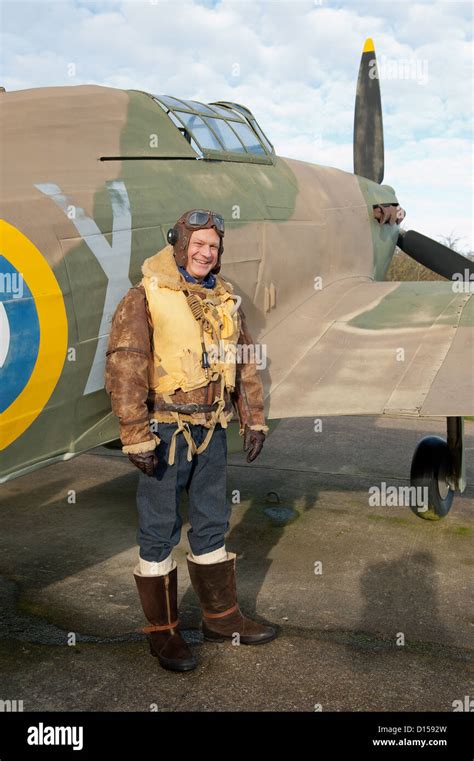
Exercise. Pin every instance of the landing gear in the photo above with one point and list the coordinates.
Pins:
(437, 472)
(430, 467)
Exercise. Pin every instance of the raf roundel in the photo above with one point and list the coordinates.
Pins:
(33, 333)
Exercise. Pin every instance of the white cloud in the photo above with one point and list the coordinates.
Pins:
(298, 72)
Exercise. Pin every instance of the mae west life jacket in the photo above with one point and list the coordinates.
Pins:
(179, 339)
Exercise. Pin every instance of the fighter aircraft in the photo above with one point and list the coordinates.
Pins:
(92, 179)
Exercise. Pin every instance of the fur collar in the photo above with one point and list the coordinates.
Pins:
(162, 266)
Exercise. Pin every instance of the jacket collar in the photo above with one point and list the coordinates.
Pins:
(162, 266)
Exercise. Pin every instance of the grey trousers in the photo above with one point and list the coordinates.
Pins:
(204, 479)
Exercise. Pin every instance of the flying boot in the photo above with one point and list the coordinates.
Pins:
(215, 585)
(159, 595)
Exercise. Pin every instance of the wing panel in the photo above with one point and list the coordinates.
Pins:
(365, 347)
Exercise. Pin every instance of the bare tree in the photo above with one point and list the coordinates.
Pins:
(453, 241)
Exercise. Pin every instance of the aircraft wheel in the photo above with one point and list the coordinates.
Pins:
(430, 466)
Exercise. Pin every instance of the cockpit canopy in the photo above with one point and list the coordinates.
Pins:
(219, 130)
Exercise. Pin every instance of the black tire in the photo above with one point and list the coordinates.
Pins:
(430, 465)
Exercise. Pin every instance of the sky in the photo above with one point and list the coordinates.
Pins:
(294, 64)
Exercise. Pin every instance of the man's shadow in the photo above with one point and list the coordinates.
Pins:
(401, 610)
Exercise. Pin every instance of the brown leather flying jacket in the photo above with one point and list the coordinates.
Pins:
(128, 369)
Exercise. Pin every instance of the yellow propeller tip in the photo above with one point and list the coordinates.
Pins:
(369, 45)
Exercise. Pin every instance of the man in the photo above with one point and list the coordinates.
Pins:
(174, 377)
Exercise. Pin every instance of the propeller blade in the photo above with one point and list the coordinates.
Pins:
(368, 125)
(438, 258)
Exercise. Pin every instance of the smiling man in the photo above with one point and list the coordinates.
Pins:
(174, 395)
(203, 251)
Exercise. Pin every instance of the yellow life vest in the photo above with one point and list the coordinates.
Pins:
(179, 339)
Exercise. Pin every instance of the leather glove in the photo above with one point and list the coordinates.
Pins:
(147, 462)
(253, 443)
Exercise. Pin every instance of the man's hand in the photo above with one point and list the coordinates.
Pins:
(253, 443)
(147, 462)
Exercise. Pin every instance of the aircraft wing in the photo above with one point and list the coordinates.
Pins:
(360, 346)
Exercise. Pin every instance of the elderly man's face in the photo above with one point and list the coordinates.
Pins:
(202, 252)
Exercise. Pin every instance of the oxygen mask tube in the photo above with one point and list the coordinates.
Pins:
(199, 311)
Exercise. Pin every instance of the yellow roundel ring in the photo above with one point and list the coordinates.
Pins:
(53, 332)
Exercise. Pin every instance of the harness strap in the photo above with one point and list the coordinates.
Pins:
(217, 416)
